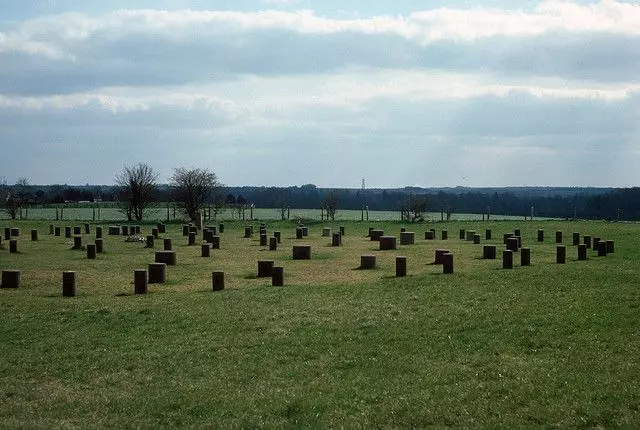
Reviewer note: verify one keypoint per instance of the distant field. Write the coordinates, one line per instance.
(550, 345)
(113, 214)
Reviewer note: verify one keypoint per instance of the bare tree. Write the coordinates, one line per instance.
(414, 208)
(14, 198)
(330, 205)
(192, 188)
(136, 189)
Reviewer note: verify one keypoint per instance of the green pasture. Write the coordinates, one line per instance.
(108, 212)
(542, 346)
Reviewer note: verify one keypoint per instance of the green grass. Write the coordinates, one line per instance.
(108, 212)
(547, 345)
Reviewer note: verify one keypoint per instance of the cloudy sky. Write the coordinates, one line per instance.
(288, 92)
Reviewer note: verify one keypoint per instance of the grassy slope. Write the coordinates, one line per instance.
(542, 345)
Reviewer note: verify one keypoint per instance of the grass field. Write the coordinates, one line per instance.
(546, 345)
(80, 212)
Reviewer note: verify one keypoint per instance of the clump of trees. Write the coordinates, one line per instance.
(414, 208)
(330, 205)
(16, 197)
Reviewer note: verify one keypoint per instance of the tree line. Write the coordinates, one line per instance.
(190, 189)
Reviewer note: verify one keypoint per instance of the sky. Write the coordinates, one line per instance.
(290, 92)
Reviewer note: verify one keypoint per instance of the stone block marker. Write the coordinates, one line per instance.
(596, 240)
(602, 249)
(192, 239)
(470, 234)
(215, 242)
(10, 279)
(302, 252)
(7, 233)
(140, 281)
(558, 236)
(517, 232)
(114, 230)
(221, 228)
(428, 235)
(438, 256)
(476, 239)
(326, 232)
(263, 239)
(512, 244)
(402, 229)
(341, 231)
(305, 231)
(125, 230)
(487, 234)
(376, 235)
(217, 281)
(87, 228)
(91, 251)
(98, 232)
(447, 263)
(51, 229)
(506, 236)
(167, 257)
(277, 276)
(407, 238)
(205, 250)
(540, 235)
(462, 234)
(168, 246)
(445, 235)
(489, 252)
(273, 244)
(278, 236)
(336, 239)
(561, 254)
(387, 243)
(185, 230)
(162, 229)
(157, 273)
(582, 252)
(401, 267)
(99, 243)
(298, 232)
(507, 259)
(15, 232)
(264, 268)
(155, 232)
(67, 232)
(68, 283)
(56, 231)
(13, 246)
(77, 230)
(576, 239)
(150, 241)
(370, 230)
(525, 257)
(77, 242)
(34, 235)
(610, 246)
(367, 262)
(519, 241)
(587, 240)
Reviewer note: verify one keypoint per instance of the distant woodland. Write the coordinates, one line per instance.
(584, 203)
